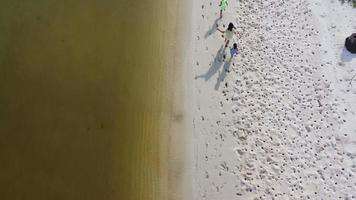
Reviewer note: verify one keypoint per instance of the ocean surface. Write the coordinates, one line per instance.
(82, 99)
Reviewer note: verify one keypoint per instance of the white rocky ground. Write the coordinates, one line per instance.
(279, 120)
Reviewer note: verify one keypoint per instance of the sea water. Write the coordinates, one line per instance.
(81, 99)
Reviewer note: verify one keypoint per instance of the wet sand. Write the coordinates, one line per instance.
(84, 108)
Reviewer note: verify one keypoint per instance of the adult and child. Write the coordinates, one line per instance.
(228, 35)
(230, 31)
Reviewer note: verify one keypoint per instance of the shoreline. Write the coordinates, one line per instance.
(178, 142)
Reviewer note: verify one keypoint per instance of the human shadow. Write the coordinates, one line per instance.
(213, 28)
(346, 56)
(218, 61)
(223, 73)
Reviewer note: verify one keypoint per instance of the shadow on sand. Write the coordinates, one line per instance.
(223, 73)
(216, 65)
(346, 56)
(213, 28)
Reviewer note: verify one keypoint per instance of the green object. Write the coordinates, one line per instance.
(223, 4)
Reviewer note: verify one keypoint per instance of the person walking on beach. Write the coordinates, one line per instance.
(229, 33)
(234, 51)
(223, 5)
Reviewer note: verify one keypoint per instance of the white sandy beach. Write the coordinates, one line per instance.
(279, 120)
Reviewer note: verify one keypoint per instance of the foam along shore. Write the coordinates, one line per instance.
(279, 120)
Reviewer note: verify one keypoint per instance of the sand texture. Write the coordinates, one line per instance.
(279, 120)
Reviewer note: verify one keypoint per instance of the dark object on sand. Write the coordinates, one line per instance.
(350, 43)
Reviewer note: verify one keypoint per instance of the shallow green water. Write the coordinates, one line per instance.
(81, 99)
